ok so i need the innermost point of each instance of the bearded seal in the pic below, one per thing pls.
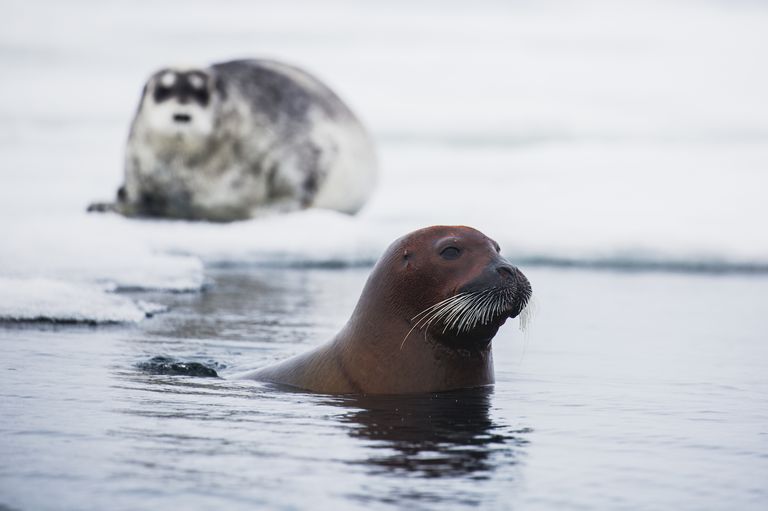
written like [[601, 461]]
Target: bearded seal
[[241, 139], [424, 321]]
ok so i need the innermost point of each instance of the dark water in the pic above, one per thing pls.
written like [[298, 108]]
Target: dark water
[[631, 391]]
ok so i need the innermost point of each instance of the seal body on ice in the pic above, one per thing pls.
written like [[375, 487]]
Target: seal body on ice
[[240, 139]]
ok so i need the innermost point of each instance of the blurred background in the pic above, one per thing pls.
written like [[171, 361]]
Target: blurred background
[[599, 133], [626, 139]]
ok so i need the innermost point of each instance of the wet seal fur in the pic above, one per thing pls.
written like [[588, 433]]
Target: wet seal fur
[[241, 139], [424, 321]]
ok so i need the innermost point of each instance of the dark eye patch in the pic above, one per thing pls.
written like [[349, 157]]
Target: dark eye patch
[[183, 90], [162, 93], [201, 96], [450, 253]]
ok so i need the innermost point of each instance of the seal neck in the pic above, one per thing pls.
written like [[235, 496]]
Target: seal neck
[[374, 358]]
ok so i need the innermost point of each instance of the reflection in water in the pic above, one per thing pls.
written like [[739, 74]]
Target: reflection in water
[[372, 450], [447, 437], [447, 434]]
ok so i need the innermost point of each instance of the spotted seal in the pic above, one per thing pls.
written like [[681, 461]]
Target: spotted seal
[[241, 139]]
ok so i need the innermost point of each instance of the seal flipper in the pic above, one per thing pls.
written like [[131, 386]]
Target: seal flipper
[[102, 207], [109, 207]]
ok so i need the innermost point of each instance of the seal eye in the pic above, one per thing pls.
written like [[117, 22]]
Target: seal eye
[[450, 253], [162, 93]]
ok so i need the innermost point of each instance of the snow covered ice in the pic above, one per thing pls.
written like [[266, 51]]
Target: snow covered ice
[[35, 299]]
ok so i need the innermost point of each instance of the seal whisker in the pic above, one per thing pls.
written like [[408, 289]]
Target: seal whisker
[[466, 310], [477, 312], [489, 307], [448, 311], [527, 314], [458, 318], [461, 318], [451, 308], [443, 309], [429, 314], [477, 307], [442, 303]]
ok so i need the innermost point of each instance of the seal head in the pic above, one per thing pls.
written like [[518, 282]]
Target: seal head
[[469, 288], [424, 321]]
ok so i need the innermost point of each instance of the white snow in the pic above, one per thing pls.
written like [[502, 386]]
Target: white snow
[[632, 132], [96, 250], [36, 299]]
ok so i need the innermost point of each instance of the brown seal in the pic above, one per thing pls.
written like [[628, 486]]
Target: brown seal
[[423, 323]]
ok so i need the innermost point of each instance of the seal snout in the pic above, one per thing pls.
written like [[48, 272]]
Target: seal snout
[[522, 294], [507, 271], [514, 289], [518, 286]]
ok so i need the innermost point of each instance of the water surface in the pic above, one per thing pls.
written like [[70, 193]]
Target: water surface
[[631, 391]]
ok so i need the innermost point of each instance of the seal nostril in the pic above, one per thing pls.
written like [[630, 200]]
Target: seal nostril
[[182, 117], [506, 271]]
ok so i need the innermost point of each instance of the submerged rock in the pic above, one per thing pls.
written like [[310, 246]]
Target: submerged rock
[[171, 366]]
